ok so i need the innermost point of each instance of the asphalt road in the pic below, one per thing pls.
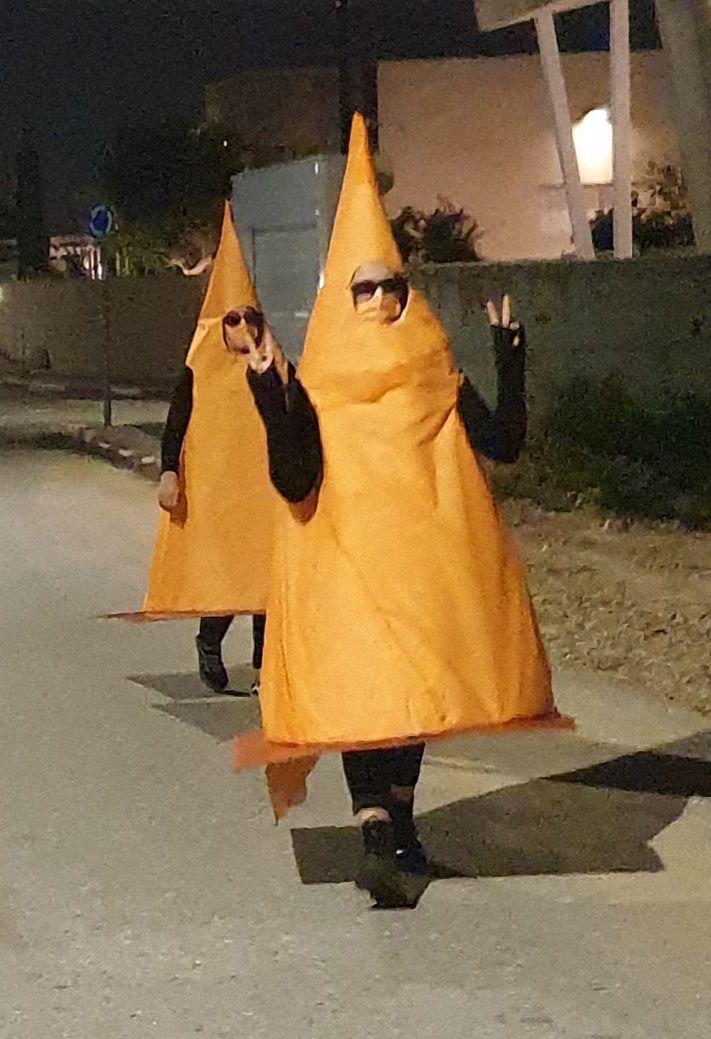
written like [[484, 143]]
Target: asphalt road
[[144, 890]]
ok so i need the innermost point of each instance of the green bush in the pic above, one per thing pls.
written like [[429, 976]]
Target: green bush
[[447, 235], [660, 213], [604, 446]]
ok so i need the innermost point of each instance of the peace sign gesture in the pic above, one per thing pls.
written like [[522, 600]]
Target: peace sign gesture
[[265, 353], [504, 322]]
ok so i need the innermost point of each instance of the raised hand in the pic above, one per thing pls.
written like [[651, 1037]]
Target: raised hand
[[261, 355], [265, 353], [504, 320]]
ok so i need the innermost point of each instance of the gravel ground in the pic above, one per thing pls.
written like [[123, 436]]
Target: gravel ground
[[630, 600]]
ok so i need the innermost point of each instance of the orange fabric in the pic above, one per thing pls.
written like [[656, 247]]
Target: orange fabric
[[212, 556], [286, 782], [289, 767], [399, 609], [254, 750]]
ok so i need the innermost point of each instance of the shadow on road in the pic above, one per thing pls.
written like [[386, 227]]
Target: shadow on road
[[589, 821], [593, 820], [220, 716]]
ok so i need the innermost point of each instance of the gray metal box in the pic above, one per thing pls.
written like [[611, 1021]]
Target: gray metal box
[[284, 216]]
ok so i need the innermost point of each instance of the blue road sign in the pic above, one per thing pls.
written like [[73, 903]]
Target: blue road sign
[[101, 222]]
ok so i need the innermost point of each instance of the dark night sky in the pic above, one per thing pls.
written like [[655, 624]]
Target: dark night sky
[[77, 69]]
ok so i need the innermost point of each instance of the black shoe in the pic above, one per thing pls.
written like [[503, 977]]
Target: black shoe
[[411, 857], [212, 670], [379, 873]]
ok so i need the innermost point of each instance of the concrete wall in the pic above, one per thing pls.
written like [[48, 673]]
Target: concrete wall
[[479, 132], [647, 322], [150, 322]]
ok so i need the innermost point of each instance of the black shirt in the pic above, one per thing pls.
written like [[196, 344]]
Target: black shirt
[[295, 459], [176, 424], [497, 434]]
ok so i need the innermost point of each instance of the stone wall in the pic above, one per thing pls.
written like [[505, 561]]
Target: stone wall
[[646, 322], [145, 324]]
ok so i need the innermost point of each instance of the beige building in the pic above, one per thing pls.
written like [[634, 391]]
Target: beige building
[[477, 132]]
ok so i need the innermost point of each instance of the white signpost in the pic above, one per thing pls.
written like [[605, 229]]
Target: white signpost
[[496, 14]]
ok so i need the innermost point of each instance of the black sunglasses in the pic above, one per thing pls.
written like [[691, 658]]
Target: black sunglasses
[[251, 316], [362, 291]]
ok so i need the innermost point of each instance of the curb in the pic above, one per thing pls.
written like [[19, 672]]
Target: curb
[[83, 389], [124, 447]]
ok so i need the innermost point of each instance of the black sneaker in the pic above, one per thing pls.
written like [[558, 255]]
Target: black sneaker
[[379, 873], [412, 859], [212, 670]]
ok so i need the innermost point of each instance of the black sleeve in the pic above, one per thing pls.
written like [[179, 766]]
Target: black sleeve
[[176, 423], [293, 436], [499, 434]]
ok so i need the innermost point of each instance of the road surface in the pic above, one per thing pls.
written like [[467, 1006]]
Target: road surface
[[144, 890]]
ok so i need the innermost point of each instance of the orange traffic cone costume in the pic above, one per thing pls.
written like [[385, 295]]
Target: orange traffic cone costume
[[399, 610], [212, 555]]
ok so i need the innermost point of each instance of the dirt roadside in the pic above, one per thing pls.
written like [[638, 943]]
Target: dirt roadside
[[630, 600]]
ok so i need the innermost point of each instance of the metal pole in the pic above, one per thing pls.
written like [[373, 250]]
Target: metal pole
[[620, 73], [555, 80], [106, 329], [357, 71], [345, 72]]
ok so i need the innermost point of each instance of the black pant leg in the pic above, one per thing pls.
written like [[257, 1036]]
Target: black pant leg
[[367, 779], [372, 774], [259, 623], [407, 765], [213, 631]]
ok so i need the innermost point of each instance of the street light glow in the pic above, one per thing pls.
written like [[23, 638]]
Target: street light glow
[[593, 146]]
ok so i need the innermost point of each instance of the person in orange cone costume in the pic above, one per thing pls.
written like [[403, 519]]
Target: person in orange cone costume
[[213, 548], [398, 610]]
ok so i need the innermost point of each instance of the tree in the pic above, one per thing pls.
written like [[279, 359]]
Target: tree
[[32, 237], [168, 185]]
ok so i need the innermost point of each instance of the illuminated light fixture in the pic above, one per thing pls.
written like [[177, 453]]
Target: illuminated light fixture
[[498, 14], [594, 148]]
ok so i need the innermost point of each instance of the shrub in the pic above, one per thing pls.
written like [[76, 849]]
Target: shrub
[[447, 235], [603, 445], [660, 213]]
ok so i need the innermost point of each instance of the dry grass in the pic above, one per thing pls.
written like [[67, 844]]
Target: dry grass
[[630, 599]]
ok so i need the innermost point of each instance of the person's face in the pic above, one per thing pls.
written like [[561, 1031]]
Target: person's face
[[240, 324], [379, 293]]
